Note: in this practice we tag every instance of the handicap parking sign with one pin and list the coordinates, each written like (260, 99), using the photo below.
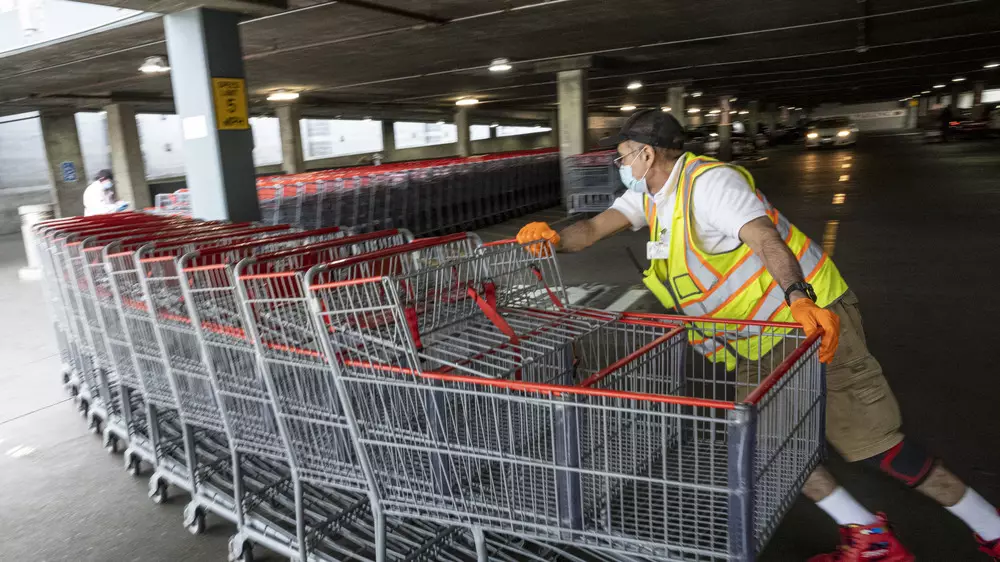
(68, 171)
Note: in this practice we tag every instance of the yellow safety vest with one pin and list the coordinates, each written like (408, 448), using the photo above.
(732, 285)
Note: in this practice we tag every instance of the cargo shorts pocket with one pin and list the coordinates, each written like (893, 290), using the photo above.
(863, 417)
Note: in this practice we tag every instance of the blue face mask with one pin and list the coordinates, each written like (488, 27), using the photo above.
(637, 185)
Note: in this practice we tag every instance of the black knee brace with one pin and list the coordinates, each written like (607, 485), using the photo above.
(907, 462)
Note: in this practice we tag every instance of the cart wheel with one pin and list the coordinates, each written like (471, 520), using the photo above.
(194, 520)
(159, 494)
(84, 408)
(65, 377)
(74, 391)
(240, 550)
(111, 442)
(95, 425)
(133, 465)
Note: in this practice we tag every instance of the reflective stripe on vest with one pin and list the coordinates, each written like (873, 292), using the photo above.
(734, 284)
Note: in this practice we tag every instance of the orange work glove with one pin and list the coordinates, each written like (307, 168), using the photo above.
(812, 318)
(534, 231)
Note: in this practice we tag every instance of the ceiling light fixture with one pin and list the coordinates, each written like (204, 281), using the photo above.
(665, 109)
(634, 85)
(694, 110)
(744, 112)
(628, 108)
(958, 79)
(440, 122)
(695, 94)
(500, 65)
(283, 95)
(938, 86)
(733, 99)
(467, 101)
(991, 65)
(494, 125)
(925, 92)
(733, 112)
(714, 112)
(155, 65)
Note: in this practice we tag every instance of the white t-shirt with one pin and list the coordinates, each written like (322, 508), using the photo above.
(722, 203)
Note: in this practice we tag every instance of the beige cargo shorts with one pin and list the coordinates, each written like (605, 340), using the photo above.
(862, 415)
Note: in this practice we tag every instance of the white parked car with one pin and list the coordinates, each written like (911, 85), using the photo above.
(831, 131)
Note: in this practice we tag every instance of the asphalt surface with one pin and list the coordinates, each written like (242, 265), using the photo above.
(913, 227)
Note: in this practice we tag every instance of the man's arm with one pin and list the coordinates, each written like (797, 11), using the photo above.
(765, 241)
(585, 233)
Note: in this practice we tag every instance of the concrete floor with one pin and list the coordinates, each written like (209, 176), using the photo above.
(915, 235)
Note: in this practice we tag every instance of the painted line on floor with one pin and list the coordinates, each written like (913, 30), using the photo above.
(629, 298)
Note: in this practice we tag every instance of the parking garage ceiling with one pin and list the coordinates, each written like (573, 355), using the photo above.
(406, 57)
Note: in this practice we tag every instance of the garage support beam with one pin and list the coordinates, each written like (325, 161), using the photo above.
(290, 130)
(571, 95)
(978, 111)
(725, 130)
(752, 118)
(675, 101)
(65, 159)
(388, 140)
(771, 117)
(464, 136)
(210, 96)
(126, 156)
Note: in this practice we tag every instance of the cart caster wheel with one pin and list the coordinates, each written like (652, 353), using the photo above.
(111, 442)
(84, 408)
(65, 377)
(95, 425)
(74, 391)
(133, 465)
(158, 492)
(194, 519)
(240, 550)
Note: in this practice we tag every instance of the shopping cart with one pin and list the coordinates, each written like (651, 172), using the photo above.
(592, 182)
(636, 448)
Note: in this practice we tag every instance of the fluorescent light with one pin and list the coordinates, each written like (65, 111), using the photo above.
(500, 65)
(938, 86)
(282, 95)
(744, 112)
(628, 108)
(925, 92)
(665, 109)
(155, 65)
(494, 125)
(695, 94)
(958, 79)
(694, 110)
(733, 112)
(733, 99)
(634, 85)
(440, 122)
(991, 65)
(714, 112)
(467, 101)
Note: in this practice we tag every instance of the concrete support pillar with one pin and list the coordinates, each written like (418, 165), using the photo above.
(126, 156)
(210, 95)
(65, 159)
(675, 100)
(725, 130)
(753, 117)
(464, 135)
(572, 98)
(290, 129)
(978, 111)
(771, 117)
(493, 132)
(554, 125)
(388, 140)
(924, 104)
(912, 111)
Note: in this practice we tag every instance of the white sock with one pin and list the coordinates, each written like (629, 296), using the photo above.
(978, 514)
(845, 510)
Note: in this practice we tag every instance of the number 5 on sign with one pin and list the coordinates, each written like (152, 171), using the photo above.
(230, 96)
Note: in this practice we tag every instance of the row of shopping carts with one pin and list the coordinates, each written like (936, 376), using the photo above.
(426, 197)
(592, 182)
(373, 396)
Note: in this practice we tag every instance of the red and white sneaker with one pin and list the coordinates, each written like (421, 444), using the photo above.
(991, 548)
(868, 543)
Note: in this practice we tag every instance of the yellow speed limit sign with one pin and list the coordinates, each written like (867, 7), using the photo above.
(230, 103)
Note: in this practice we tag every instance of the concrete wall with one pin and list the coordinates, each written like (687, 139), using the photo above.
(880, 116)
(12, 198)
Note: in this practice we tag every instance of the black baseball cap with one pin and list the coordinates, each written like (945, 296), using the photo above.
(104, 175)
(649, 126)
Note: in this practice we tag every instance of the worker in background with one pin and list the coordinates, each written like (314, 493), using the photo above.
(719, 249)
(99, 197)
